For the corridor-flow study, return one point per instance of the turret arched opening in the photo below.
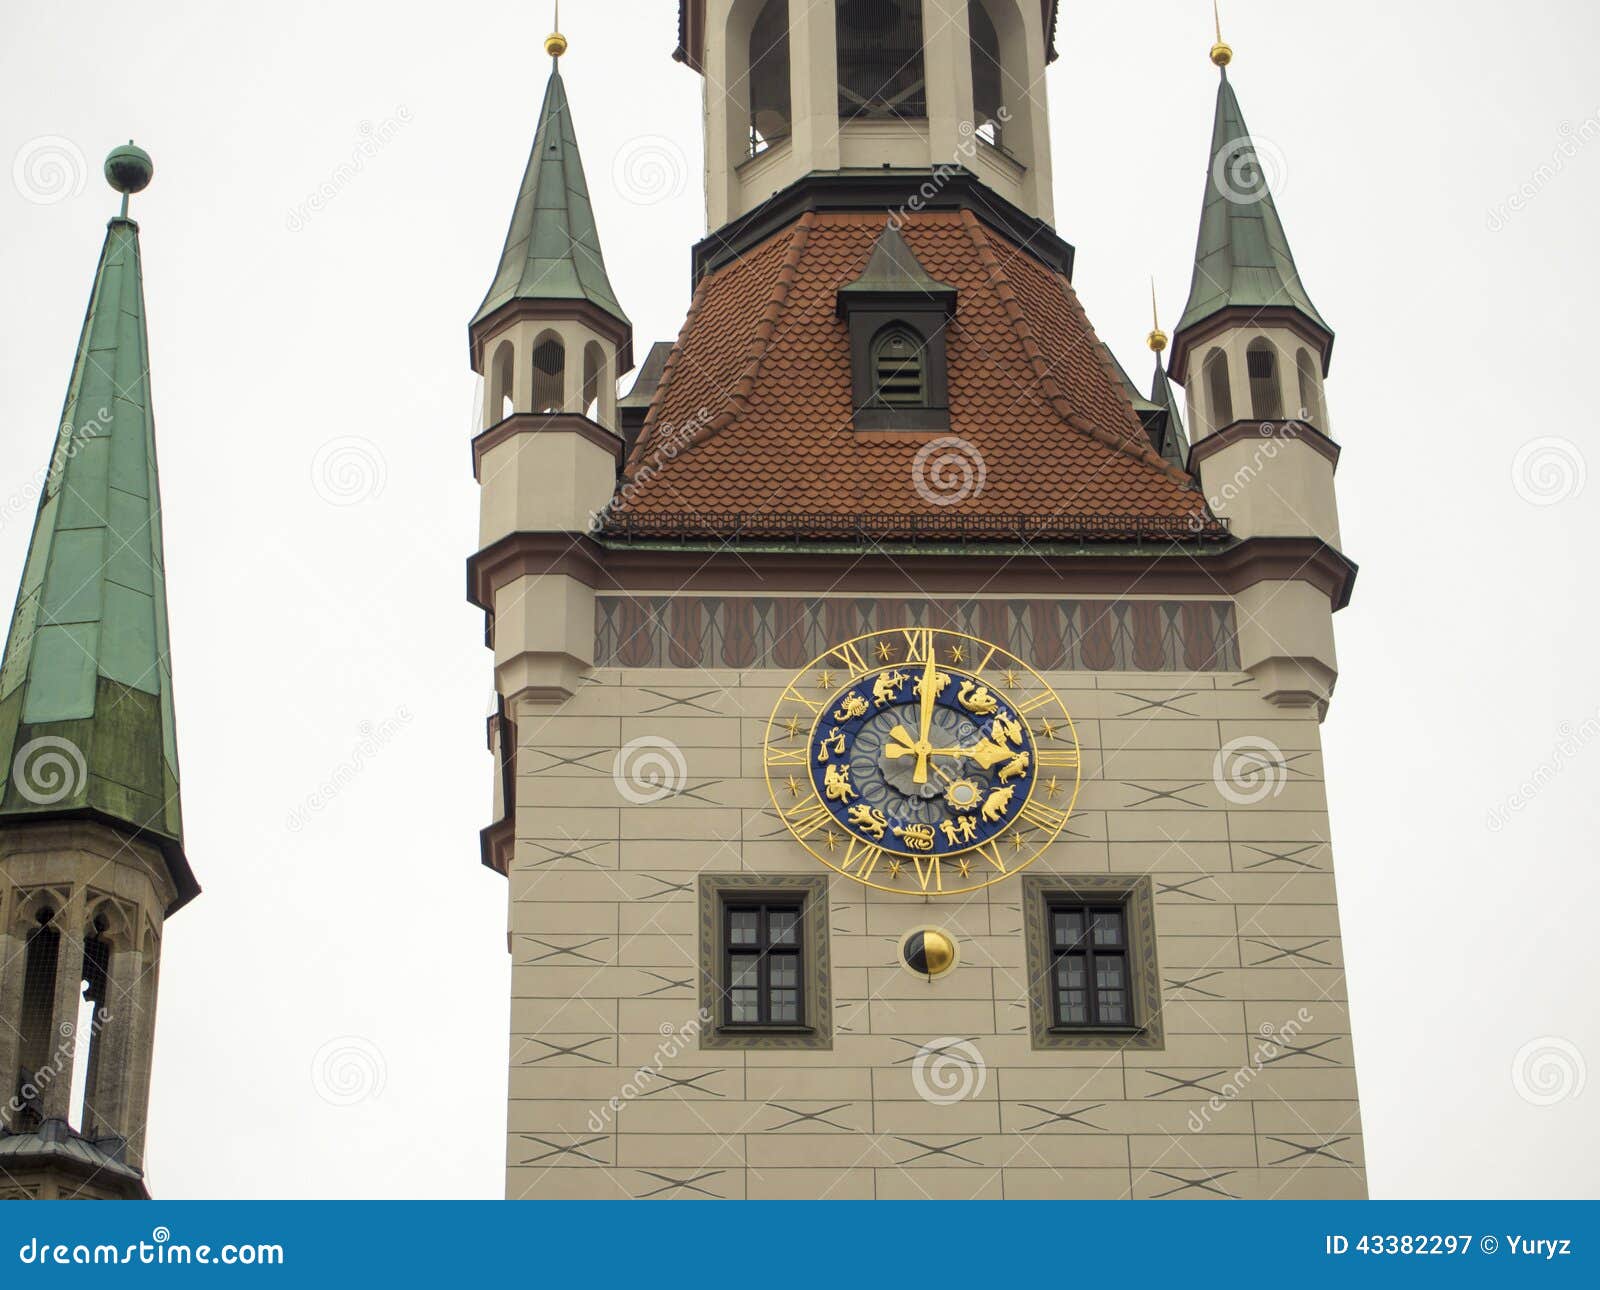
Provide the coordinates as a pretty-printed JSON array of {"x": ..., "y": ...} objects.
[
  {"x": 770, "y": 99},
  {"x": 1219, "y": 391},
  {"x": 502, "y": 375},
  {"x": 1310, "y": 389},
  {"x": 549, "y": 373},
  {"x": 1266, "y": 389},
  {"x": 988, "y": 75},
  {"x": 882, "y": 72},
  {"x": 594, "y": 378}
]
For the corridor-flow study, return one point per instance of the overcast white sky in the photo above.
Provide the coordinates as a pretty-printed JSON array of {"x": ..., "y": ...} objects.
[{"x": 320, "y": 630}]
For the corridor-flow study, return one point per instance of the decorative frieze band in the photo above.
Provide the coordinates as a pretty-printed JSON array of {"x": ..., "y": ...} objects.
[{"x": 788, "y": 632}]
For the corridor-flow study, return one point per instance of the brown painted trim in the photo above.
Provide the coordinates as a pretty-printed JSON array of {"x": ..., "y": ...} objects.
[
  {"x": 1240, "y": 317},
  {"x": 571, "y": 555},
  {"x": 929, "y": 571},
  {"x": 955, "y": 188},
  {"x": 1256, "y": 431},
  {"x": 617, "y": 331},
  {"x": 534, "y": 423},
  {"x": 497, "y": 843}
]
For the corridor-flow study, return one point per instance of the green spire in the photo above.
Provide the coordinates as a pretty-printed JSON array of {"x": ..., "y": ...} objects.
[
  {"x": 86, "y": 715},
  {"x": 1174, "y": 445},
  {"x": 552, "y": 250},
  {"x": 1243, "y": 258}
]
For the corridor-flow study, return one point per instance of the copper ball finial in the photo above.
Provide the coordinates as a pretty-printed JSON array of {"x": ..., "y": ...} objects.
[{"x": 129, "y": 168}]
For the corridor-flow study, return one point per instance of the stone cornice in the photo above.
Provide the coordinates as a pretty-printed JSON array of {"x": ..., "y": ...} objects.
[
  {"x": 1185, "y": 342},
  {"x": 1258, "y": 431},
  {"x": 541, "y": 423},
  {"x": 1170, "y": 570},
  {"x": 618, "y": 333}
]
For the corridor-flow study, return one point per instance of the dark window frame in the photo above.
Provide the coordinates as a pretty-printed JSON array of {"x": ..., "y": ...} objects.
[
  {"x": 1042, "y": 893},
  {"x": 1089, "y": 949},
  {"x": 716, "y": 893},
  {"x": 763, "y": 951}
]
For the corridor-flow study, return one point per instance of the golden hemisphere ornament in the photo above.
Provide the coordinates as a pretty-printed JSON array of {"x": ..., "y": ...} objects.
[{"x": 937, "y": 763}]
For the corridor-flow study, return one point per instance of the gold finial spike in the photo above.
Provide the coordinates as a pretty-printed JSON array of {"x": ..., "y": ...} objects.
[
  {"x": 1221, "y": 52},
  {"x": 555, "y": 44},
  {"x": 1157, "y": 339}
]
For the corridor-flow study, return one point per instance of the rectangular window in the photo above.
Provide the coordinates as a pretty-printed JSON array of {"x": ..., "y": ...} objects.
[
  {"x": 1091, "y": 953},
  {"x": 763, "y": 967},
  {"x": 1089, "y": 965},
  {"x": 764, "y": 961}
]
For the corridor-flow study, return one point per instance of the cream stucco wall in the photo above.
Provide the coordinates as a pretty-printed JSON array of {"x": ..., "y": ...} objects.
[{"x": 603, "y": 921}]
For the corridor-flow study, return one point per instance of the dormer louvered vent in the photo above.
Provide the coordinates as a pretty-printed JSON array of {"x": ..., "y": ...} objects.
[{"x": 897, "y": 370}]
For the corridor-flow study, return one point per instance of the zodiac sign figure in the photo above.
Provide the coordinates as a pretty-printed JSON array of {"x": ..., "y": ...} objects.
[
  {"x": 833, "y": 742},
  {"x": 977, "y": 699},
  {"x": 836, "y": 784},
  {"x": 869, "y": 821},
  {"x": 852, "y": 707},
  {"x": 884, "y": 688},
  {"x": 918, "y": 837},
  {"x": 1016, "y": 768},
  {"x": 997, "y": 803},
  {"x": 962, "y": 829},
  {"x": 940, "y": 681}
]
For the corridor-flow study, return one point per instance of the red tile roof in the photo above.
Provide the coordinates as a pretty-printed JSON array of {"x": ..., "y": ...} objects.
[{"x": 752, "y": 419}]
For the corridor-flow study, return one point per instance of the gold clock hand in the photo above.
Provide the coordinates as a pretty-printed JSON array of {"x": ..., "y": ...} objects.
[{"x": 930, "y": 676}]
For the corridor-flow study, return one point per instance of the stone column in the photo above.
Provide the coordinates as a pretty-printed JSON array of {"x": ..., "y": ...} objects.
[
  {"x": 105, "y": 1110},
  {"x": 13, "y": 966},
  {"x": 947, "y": 61},
  {"x": 57, "y": 1093},
  {"x": 143, "y": 989}
]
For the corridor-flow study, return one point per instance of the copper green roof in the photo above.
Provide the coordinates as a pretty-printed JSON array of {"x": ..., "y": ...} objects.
[
  {"x": 894, "y": 270},
  {"x": 552, "y": 249},
  {"x": 1174, "y": 445},
  {"x": 1243, "y": 258},
  {"x": 86, "y": 714}
]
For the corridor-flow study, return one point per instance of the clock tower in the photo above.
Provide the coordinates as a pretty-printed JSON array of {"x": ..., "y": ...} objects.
[{"x": 907, "y": 757}]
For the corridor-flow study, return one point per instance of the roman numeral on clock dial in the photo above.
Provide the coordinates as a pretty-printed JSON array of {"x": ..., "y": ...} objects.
[{"x": 1042, "y": 816}]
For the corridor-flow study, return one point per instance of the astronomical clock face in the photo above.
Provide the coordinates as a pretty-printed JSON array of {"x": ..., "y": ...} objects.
[{"x": 922, "y": 761}]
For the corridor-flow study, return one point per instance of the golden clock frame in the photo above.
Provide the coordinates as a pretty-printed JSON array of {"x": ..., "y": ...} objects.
[{"x": 807, "y": 814}]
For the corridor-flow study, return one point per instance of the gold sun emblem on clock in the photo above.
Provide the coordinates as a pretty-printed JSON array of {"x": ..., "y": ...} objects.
[{"x": 933, "y": 763}]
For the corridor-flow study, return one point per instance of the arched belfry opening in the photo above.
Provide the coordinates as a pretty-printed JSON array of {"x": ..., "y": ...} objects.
[
  {"x": 502, "y": 375},
  {"x": 1219, "y": 391},
  {"x": 1266, "y": 393},
  {"x": 882, "y": 70},
  {"x": 988, "y": 75},
  {"x": 771, "y": 100},
  {"x": 549, "y": 373}
]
